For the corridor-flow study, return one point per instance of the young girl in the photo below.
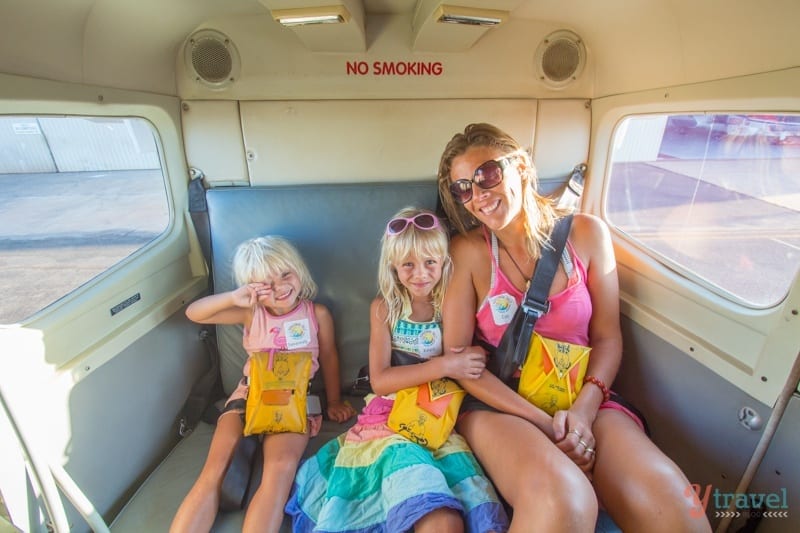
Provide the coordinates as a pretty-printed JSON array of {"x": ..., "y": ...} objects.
[
  {"x": 370, "y": 478},
  {"x": 275, "y": 290}
]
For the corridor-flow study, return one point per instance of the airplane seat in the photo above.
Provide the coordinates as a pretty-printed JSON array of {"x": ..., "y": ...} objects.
[{"x": 337, "y": 229}]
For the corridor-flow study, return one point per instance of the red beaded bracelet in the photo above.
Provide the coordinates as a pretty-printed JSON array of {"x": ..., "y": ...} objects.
[{"x": 599, "y": 382}]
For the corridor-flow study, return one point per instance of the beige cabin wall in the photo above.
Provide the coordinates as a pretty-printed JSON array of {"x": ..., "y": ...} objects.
[{"x": 330, "y": 141}]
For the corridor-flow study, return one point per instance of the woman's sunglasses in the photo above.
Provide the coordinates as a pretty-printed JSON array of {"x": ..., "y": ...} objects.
[
  {"x": 423, "y": 221},
  {"x": 486, "y": 176}
]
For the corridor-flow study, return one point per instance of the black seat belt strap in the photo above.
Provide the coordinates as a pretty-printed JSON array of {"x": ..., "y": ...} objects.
[
  {"x": 208, "y": 386},
  {"x": 198, "y": 210},
  {"x": 513, "y": 347}
]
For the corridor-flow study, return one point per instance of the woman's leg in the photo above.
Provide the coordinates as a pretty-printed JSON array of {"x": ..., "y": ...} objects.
[
  {"x": 642, "y": 489},
  {"x": 442, "y": 520},
  {"x": 199, "y": 509},
  {"x": 547, "y": 491},
  {"x": 282, "y": 453}
]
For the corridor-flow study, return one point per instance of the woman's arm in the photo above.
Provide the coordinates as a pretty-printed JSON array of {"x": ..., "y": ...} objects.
[
  {"x": 329, "y": 363},
  {"x": 458, "y": 314},
  {"x": 591, "y": 239},
  {"x": 592, "y": 242}
]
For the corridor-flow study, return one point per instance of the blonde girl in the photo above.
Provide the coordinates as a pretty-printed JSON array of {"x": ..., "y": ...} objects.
[
  {"x": 371, "y": 478},
  {"x": 274, "y": 291}
]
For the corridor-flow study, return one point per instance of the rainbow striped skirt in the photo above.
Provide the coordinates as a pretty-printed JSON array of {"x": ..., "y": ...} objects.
[{"x": 372, "y": 480}]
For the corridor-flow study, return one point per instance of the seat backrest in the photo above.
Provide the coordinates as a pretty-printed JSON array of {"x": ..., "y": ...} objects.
[{"x": 336, "y": 228}]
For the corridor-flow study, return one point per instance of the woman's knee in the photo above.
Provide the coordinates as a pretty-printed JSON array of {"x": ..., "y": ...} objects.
[
  {"x": 655, "y": 496},
  {"x": 562, "y": 489},
  {"x": 530, "y": 472},
  {"x": 671, "y": 494}
]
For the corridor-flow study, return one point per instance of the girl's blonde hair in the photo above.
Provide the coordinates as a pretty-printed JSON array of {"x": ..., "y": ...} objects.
[
  {"x": 412, "y": 241},
  {"x": 540, "y": 212},
  {"x": 263, "y": 257}
]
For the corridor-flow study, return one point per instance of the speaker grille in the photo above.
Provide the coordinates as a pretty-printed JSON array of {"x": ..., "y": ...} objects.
[
  {"x": 560, "y": 59},
  {"x": 211, "y": 58}
]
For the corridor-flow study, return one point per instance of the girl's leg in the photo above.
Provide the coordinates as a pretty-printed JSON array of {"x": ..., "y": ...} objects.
[
  {"x": 199, "y": 508},
  {"x": 547, "y": 491},
  {"x": 282, "y": 453},
  {"x": 440, "y": 521},
  {"x": 642, "y": 489}
]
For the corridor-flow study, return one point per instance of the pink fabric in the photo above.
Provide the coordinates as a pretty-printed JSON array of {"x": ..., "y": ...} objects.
[
  {"x": 611, "y": 404},
  {"x": 376, "y": 411},
  {"x": 567, "y": 320},
  {"x": 267, "y": 333},
  {"x": 570, "y": 309},
  {"x": 371, "y": 422}
]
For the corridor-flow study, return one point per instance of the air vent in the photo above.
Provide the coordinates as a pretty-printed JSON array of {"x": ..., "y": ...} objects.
[
  {"x": 212, "y": 59},
  {"x": 560, "y": 59}
]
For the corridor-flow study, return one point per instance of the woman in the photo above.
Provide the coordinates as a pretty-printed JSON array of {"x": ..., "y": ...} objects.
[{"x": 554, "y": 471}]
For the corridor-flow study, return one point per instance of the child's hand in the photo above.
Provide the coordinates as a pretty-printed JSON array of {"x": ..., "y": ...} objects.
[
  {"x": 249, "y": 295},
  {"x": 246, "y": 296},
  {"x": 340, "y": 411},
  {"x": 465, "y": 363}
]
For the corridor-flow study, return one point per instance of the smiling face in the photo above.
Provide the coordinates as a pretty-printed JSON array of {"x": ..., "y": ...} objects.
[
  {"x": 419, "y": 275},
  {"x": 495, "y": 207},
  {"x": 282, "y": 294}
]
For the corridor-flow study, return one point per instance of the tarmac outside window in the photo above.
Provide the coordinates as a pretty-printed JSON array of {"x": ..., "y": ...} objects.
[
  {"x": 714, "y": 196},
  {"x": 78, "y": 195}
]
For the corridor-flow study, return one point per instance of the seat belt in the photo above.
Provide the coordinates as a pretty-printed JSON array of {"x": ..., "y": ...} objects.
[
  {"x": 208, "y": 387},
  {"x": 571, "y": 195},
  {"x": 238, "y": 484},
  {"x": 198, "y": 210}
]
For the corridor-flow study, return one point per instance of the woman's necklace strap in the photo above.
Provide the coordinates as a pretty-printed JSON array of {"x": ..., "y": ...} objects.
[{"x": 521, "y": 273}]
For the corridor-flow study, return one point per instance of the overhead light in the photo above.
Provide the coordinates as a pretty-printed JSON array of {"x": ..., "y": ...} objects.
[
  {"x": 470, "y": 16},
  {"x": 312, "y": 15}
]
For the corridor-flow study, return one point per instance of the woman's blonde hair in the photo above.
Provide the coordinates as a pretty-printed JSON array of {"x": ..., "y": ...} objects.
[
  {"x": 540, "y": 212},
  {"x": 263, "y": 257},
  {"x": 411, "y": 241}
]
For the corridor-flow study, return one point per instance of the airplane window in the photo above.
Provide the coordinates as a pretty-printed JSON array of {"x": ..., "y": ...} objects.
[
  {"x": 77, "y": 196},
  {"x": 714, "y": 195}
]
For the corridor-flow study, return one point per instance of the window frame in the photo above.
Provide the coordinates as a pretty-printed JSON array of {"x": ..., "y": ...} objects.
[
  {"x": 678, "y": 268},
  {"x": 752, "y": 348},
  {"x": 76, "y": 334},
  {"x": 123, "y": 262}
]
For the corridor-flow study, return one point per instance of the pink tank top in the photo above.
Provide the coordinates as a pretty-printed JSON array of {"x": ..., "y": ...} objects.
[
  {"x": 296, "y": 331},
  {"x": 570, "y": 309}
]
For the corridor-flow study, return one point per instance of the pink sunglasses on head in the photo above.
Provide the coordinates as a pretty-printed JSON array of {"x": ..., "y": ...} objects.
[{"x": 423, "y": 221}]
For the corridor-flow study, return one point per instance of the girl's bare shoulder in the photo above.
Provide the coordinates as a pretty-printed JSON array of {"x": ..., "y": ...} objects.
[
  {"x": 322, "y": 312},
  {"x": 378, "y": 308}
]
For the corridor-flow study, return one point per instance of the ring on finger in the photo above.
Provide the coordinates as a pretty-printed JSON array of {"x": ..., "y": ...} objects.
[
  {"x": 577, "y": 433},
  {"x": 586, "y": 446},
  {"x": 589, "y": 451}
]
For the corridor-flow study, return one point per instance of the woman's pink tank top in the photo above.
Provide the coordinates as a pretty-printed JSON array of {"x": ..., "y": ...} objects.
[{"x": 570, "y": 309}]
